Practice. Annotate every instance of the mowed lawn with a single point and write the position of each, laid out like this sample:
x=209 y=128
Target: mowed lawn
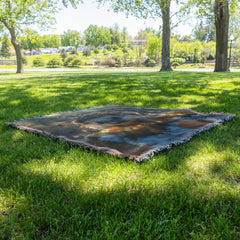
x=52 y=190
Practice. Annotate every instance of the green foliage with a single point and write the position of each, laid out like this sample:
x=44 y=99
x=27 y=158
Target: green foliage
x=54 y=62
x=31 y=40
x=38 y=62
x=115 y=35
x=86 y=52
x=51 y=41
x=205 y=33
x=125 y=50
x=154 y=48
x=68 y=60
x=118 y=52
x=53 y=190
x=97 y=36
x=17 y=14
x=178 y=60
x=138 y=62
x=115 y=47
x=175 y=64
x=5 y=49
x=71 y=38
x=105 y=51
x=97 y=62
x=74 y=51
x=150 y=62
x=73 y=61
x=192 y=50
x=63 y=54
x=109 y=47
x=119 y=60
x=96 y=50
x=77 y=62
x=145 y=35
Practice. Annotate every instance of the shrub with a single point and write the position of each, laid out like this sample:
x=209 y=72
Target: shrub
x=97 y=62
x=118 y=52
x=115 y=46
x=76 y=62
x=109 y=48
x=38 y=62
x=63 y=54
x=68 y=60
x=126 y=59
x=175 y=64
x=109 y=61
x=178 y=60
x=150 y=62
x=105 y=52
x=54 y=62
x=138 y=62
x=86 y=52
x=96 y=50
x=74 y=51
x=119 y=60
x=125 y=50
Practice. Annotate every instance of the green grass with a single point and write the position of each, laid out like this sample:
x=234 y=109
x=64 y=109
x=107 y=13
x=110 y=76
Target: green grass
x=53 y=190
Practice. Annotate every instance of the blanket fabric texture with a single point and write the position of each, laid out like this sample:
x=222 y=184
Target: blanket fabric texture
x=123 y=130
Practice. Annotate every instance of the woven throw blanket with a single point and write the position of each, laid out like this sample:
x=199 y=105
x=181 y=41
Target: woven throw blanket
x=122 y=130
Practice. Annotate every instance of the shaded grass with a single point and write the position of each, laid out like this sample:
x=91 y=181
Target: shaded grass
x=52 y=190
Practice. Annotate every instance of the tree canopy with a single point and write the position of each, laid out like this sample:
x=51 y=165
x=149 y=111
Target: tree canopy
x=17 y=15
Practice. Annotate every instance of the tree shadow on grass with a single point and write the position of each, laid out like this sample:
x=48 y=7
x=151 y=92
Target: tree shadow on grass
x=43 y=206
x=39 y=95
x=161 y=198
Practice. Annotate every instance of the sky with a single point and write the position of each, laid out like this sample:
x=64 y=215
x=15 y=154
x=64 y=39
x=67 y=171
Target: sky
x=88 y=13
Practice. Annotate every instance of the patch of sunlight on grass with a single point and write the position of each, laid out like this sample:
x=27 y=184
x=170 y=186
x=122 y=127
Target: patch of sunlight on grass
x=10 y=201
x=110 y=98
x=51 y=189
x=5 y=207
x=68 y=173
x=15 y=102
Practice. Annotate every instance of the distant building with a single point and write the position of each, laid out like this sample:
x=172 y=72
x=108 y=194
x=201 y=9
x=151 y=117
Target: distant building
x=48 y=50
x=137 y=43
x=67 y=48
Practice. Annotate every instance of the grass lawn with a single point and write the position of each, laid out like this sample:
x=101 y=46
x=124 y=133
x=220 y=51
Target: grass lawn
x=53 y=190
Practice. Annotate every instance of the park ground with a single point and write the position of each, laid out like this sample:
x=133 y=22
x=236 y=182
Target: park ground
x=53 y=190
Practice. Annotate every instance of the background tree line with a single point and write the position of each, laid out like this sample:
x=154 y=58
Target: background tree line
x=17 y=15
x=195 y=48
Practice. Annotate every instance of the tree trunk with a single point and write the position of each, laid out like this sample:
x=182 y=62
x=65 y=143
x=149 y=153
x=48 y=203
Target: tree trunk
x=17 y=48
x=165 y=8
x=221 y=12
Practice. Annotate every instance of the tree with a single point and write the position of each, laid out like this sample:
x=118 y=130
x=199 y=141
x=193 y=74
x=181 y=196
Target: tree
x=97 y=36
x=5 y=49
x=124 y=35
x=205 y=32
x=144 y=9
x=221 y=10
x=72 y=38
x=51 y=41
x=31 y=41
x=15 y=15
x=144 y=35
x=234 y=25
x=154 y=48
x=115 y=35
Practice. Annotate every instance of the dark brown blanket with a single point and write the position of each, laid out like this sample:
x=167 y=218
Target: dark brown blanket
x=125 y=131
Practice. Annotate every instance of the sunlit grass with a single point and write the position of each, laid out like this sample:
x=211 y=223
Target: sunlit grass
x=53 y=190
